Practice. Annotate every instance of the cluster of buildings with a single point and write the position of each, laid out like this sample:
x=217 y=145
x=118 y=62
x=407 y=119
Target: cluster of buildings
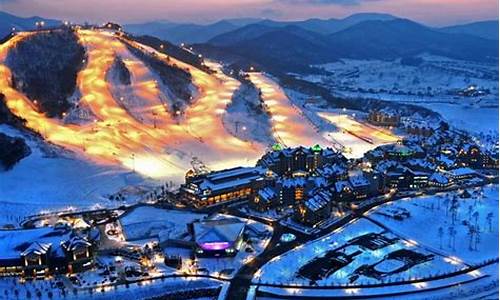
x=309 y=180
x=438 y=160
x=472 y=91
x=45 y=251
x=223 y=186
x=384 y=117
x=315 y=181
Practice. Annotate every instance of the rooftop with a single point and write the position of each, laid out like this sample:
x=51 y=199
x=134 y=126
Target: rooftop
x=218 y=231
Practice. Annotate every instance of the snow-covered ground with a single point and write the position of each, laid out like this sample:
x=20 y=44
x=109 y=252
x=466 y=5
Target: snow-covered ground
x=472 y=285
x=146 y=222
x=433 y=84
x=142 y=290
x=245 y=119
x=437 y=76
x=436 y=209
x=225 y=267
x=466 y=117
x=286 y=269
x=42 y=182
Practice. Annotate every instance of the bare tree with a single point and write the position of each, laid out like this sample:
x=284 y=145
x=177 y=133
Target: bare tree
x=476 y=218
x=446 y=202
x=440 y=234
x=454 y=209
x=470 y=233
x=452 y=234
x=489 y=218
x=478 y=237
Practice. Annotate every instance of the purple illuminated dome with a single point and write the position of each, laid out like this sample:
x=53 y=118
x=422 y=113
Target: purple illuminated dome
x=215 y=246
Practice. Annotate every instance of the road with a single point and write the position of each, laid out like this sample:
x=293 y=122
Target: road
x=242 y=281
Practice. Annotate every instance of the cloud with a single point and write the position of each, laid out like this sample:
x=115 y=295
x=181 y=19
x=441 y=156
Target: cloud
x=327 y=2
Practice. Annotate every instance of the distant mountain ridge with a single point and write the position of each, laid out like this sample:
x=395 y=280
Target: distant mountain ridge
x=196 y=33
x=293 y=48
x=402 y=37
x=9 y=21
x=484 y=29
x=332 y=25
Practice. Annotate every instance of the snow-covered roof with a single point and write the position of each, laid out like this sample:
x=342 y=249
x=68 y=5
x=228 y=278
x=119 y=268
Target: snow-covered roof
x=215 y=231
x=358 y=180
x=224 y=179
x=331 y=170
x=439 y=178
x=266 y=194
x=293 y=182
x=462 y=172
x=14 y=243
x=318 y=201
x=36 y=248
x=75 y=243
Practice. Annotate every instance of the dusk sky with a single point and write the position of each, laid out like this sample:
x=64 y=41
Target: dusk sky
x=431 y=12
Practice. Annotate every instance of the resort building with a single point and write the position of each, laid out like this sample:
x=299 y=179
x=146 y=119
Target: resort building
x=40 y=252
x=224 y=186
x=461 y=174
x=265 y=199
x=384 y=117
x=288 y=161
x=440 y=181
x=315 y=209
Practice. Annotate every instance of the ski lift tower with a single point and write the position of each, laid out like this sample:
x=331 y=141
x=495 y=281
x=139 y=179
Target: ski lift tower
x=199 y=167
